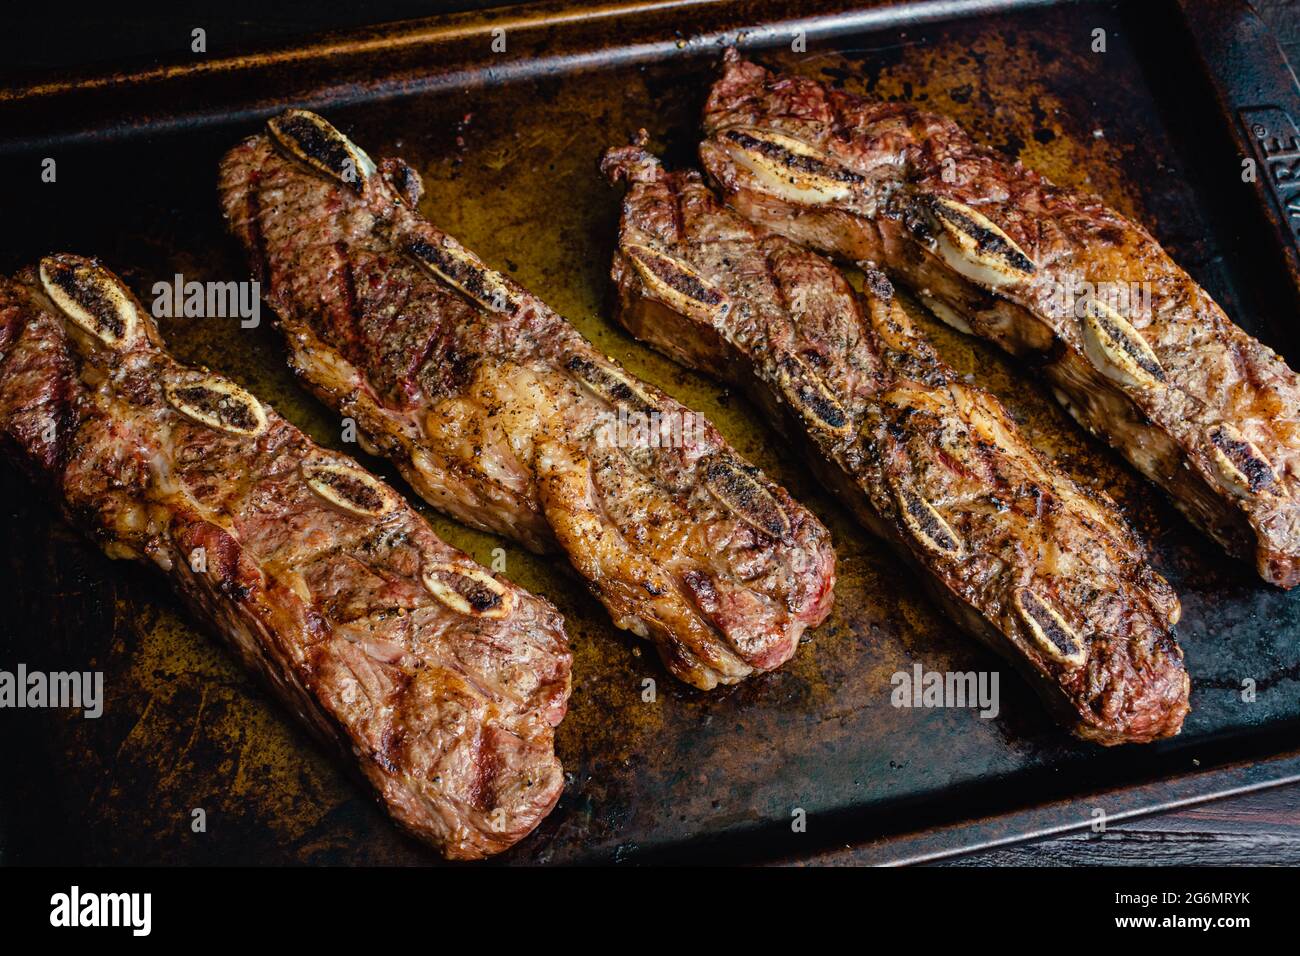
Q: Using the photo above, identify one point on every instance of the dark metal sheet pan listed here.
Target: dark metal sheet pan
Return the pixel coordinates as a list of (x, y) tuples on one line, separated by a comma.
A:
[(507, 144)]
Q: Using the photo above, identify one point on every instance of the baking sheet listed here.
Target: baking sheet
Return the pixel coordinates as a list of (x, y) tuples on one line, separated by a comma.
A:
[(509, 162)]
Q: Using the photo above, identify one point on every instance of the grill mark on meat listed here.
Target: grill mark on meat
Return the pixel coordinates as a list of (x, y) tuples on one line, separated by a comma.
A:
[(347, 327), (348, 286), (837, 125), (679, 219), (253, 207), (459, 367), (776, 285), (457, 364), (485, 774)]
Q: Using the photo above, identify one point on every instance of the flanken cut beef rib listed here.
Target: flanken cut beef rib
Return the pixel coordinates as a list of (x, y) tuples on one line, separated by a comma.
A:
[(1015, 552), (499, 413), (441, 684)]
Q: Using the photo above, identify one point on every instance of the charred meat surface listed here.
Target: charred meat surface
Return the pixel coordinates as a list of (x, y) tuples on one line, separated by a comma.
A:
[(499, 413), (441, 684), (1134, 349), (1046, 575)]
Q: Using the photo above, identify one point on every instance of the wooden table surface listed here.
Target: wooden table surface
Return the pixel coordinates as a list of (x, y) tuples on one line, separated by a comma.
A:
[(1258, 829)]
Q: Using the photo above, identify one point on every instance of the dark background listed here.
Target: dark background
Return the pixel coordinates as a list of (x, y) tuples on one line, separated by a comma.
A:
[(1263, 828), (40, 37)]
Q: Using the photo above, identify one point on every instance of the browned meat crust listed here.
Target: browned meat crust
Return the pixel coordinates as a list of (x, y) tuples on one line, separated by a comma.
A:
[(441, 684), (499, 413), (1053, 275), (1048, 576)]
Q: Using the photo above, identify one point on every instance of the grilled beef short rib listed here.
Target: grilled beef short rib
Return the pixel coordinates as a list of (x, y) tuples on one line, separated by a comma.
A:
[(1052, 275), (441, 684), (499, 413), (1015, 552)]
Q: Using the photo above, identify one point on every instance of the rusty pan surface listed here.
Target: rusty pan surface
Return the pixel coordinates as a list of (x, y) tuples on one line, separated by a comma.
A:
[(510, 167)]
